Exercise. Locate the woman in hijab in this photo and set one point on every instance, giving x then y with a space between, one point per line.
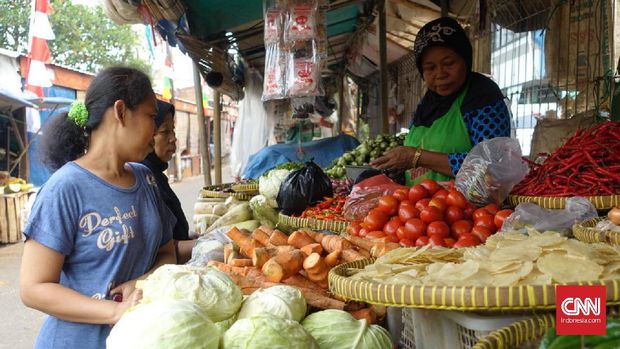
460 109
164 148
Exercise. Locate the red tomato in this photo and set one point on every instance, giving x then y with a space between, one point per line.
485 221
437 240
394 218
470 236
376 220
377 234
451 185
481 212
401 233
422 241
469 210
406 203
417 192
391 238
439 203
421 204
461 227
455 198
441 194
431 186
414 228
481 233
492 208
438 228
465 242
449 242
363 232
388 204
431 214
391 226
407 243
453 214
354 228
406 213
500 217
401 194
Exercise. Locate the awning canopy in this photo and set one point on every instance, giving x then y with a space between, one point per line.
10 101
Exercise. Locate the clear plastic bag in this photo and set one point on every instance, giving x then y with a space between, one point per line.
490 171
274 18
209 247
529 215
301 21
303 70
274 86
608 225
365 195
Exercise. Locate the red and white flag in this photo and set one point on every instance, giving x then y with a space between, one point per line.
39 53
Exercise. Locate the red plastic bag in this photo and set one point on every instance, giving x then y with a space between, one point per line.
365 195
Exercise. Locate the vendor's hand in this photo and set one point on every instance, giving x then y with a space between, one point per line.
397 158
131 301
125 289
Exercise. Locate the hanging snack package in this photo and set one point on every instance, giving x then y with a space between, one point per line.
301 20
274 84
303 70
274 17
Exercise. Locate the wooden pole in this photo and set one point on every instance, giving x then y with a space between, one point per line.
383 68
340 103
445 6
203 137
217 135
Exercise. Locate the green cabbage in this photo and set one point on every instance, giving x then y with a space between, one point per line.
282 301
263 212
209 288
164 324
267 332
223 326
335 329
269 185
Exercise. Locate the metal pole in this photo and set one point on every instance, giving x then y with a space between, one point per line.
217 135
383 69
445 6
202 135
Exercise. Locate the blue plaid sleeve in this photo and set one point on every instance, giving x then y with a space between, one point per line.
482 124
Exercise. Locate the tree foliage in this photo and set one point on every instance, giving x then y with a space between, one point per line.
85 38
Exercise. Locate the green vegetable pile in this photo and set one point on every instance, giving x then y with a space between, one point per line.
610 340
365 153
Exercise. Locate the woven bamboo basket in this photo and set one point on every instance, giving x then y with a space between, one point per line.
600 202
314 224
245 187
478 298
586 232
217 191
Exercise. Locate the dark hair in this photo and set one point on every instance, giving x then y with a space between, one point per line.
63 140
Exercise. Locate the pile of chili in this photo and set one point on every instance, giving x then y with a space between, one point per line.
328 209
588 164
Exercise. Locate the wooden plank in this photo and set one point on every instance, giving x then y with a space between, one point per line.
12 222
21 201
4 231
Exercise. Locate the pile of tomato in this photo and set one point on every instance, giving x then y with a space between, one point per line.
428 213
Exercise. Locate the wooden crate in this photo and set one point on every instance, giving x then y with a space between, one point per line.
11 206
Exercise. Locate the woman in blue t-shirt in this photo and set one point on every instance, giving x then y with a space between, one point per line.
98 223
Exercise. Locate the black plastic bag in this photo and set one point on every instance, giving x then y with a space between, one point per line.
303 188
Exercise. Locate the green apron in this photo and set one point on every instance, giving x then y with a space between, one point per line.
448 134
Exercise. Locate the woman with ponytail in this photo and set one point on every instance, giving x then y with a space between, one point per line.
98 224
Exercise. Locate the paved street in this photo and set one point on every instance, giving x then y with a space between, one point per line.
19 325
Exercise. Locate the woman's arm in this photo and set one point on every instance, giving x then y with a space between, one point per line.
402 158
184 250
39 289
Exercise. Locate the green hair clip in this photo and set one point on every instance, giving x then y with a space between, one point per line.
78 113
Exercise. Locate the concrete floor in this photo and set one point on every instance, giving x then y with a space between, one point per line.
19 325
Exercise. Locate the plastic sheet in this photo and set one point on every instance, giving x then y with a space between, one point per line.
209 247
365 195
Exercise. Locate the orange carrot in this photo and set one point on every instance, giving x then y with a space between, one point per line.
263 254
278 238
363 252
360 242
262 237
366 313
266 229
300 239
350 255
242 238
332 242
283 266
333 258
317 237
382 248
241 262
312 248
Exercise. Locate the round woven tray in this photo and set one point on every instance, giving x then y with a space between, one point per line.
586 232
245 187
310 223
479 298
525 333
600 202
211 192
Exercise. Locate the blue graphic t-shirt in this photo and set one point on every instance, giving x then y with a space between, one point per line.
108 235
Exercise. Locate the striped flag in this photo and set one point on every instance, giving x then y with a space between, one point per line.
39 53
168 89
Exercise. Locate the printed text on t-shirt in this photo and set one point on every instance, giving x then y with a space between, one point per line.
108 238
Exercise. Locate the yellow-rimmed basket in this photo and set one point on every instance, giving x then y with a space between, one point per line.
480 298
245 188
314 224
599 202
586 232
525 333
217 191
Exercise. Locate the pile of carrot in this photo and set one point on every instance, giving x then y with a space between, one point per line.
267 257
588 164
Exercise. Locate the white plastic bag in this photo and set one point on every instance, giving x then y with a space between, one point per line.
209 247
529 215
490 171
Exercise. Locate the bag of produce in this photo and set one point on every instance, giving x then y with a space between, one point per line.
302 188
490 171
365 195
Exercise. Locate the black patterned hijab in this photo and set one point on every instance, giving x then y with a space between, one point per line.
448 32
